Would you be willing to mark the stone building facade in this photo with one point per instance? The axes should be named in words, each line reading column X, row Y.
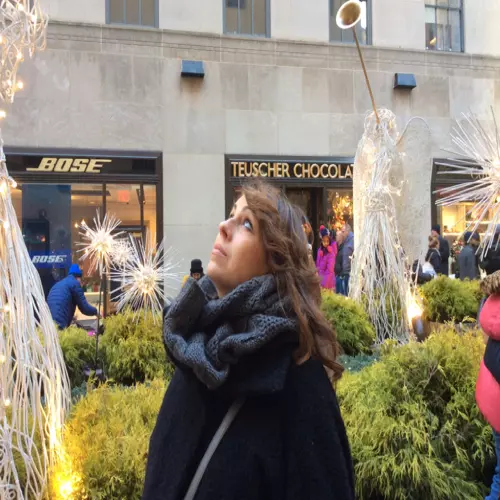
column 293, row 96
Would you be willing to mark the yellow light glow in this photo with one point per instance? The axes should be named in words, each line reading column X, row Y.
column 20, row 6
column 3, row 114
column 13, row 183
column 19, row 55
column 6, row 224
column 20, row 85
column 414, row 310
column 2, row 358
column 6, row 402
column 3, row 187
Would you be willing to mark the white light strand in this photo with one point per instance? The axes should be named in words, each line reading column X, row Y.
column 34, row 384
column 147, row 277
column 22, row 29
column 478, row 151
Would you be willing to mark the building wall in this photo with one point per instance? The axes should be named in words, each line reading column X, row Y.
column 120, row 88
column 395, row 23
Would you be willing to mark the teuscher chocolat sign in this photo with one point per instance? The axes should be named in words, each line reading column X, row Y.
column 292, row 170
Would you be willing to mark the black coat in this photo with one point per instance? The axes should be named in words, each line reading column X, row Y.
column 491, row 261
column 444, row 250
column 288, row 441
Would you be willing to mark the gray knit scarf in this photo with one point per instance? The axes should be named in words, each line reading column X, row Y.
column 210, row 334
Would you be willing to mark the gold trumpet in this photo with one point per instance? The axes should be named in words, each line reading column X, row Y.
column 348, row 16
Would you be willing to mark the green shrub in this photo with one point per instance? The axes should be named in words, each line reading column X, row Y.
column 107, row 440
column 133, row 348
column 354, row 331
column 446, row 300
column 413, row 424
column 79, row 351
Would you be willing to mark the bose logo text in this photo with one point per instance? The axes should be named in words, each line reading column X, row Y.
column 75, row 165
column 49, row 259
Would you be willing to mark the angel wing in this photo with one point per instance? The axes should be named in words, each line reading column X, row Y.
column 414, row 146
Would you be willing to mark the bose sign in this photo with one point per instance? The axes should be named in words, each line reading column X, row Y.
column 71, row 165
column 58, row 260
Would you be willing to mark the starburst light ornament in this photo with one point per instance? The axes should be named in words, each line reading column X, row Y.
column 99, row 242
column 478, row 152
column 121, row 253
column 147, row 277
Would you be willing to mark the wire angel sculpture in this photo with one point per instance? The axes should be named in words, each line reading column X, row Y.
column 477, row 157
column 34, row 384
column 380, row 277
column 146, row 277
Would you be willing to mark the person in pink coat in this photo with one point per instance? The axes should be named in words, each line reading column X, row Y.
column 488, row 381
column 325, row 260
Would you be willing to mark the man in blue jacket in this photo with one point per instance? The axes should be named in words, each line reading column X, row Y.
column 66, row 295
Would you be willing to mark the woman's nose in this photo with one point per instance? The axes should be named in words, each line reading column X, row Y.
column 225, row 229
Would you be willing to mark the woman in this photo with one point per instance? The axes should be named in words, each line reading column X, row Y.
column 433, row 257
column 325, row 260
column 468, row 260
column 250, row 343
column 488, row 382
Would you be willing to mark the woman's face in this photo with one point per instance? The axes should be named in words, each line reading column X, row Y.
column 325, row 240
column 238, row 254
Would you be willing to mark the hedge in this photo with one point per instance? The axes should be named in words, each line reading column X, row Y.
column 413, row 424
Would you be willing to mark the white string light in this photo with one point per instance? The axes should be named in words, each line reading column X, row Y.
column 478, row 152
column 34, row 385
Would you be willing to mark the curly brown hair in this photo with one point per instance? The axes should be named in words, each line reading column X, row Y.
column 285, row 245
column 491, row 284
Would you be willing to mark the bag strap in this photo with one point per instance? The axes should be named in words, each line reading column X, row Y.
column 202, row 467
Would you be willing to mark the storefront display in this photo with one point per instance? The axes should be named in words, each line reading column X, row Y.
column 58, row 190
column 321, row 187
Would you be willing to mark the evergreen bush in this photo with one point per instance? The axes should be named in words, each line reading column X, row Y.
column 446, row 300
column 354, row 331
column 107, row 439
column 133, row 348
column 79, row 352
column 413, row 423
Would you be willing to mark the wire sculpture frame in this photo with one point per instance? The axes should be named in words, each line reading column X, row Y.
column 380, row 277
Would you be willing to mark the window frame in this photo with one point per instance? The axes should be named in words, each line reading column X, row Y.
column 447, row 8
column 369, row 19
column 114, row 23
column 247, row 35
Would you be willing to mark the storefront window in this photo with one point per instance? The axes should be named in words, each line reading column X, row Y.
column 51, row 215
column 339, row 208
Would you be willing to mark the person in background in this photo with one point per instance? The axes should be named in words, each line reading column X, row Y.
column 467, row 259
column 345, row 240
column 196, row 271
column 66, row 295
column 309, row 237
column 433, row 256
column 325, row 260
column 444, row 250
column 491, row 261
column 488, row 381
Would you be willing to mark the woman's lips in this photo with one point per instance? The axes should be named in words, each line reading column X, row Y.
column 218, row 250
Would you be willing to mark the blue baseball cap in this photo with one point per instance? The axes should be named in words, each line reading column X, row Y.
column 75, row 270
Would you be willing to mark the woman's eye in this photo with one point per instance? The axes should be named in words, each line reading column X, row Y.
column 248, row 224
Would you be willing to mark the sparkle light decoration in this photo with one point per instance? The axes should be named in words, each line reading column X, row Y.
column 34, row 385
column 147, row 277
column 99, row 242
column 477, row 156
